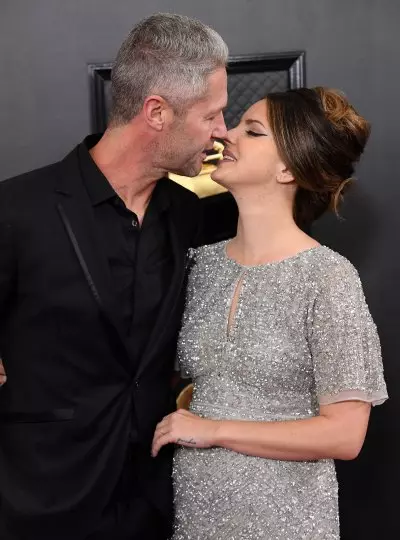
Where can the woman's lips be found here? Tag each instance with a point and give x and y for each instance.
(228, 156)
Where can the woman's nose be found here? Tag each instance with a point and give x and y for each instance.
(230, 136)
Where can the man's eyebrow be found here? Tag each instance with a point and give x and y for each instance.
(220, 109)
(252, 121)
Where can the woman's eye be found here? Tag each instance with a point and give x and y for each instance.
(255, 134)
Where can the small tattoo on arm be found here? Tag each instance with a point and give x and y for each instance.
(190, 442)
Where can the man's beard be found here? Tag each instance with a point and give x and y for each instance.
(171, 152)
(191, 167)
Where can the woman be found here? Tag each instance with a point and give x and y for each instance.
(276, 336)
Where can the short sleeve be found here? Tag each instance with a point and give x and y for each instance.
(344, 342)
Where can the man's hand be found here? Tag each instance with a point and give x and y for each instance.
(3, 377)
(184, 428)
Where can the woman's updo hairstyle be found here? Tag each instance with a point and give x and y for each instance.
(319, 137)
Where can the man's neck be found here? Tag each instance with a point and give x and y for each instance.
(124, 157)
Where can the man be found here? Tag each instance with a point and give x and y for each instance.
(92, 268)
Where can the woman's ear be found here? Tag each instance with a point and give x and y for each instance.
(284, 176)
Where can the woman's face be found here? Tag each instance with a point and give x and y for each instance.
(250, 156)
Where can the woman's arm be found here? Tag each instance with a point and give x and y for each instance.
(337, 433)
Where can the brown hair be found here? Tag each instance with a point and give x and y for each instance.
(319, 137)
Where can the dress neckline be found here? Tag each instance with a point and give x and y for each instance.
(271, 263)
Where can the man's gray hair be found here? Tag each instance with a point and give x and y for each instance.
(167, 55)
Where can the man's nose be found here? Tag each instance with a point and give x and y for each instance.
(220, 130)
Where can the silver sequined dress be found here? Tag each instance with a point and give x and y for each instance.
(302, 335)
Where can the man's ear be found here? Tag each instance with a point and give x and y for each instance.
(157, 112)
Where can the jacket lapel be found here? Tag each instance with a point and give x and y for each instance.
(77, 215)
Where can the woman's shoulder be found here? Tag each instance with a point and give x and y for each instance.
(209, 252)
(330, 267)
(329, 260)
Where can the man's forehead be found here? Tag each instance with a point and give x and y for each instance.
(217, 99)
(219, 103)
(217, 83)
(213, 102)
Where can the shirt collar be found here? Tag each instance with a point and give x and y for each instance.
(97, 186)
(100, 190)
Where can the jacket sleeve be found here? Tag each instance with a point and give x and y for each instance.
(7, 258)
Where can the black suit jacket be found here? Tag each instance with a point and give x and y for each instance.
(71, 396)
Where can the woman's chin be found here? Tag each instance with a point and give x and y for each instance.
(218, 180)
(220, 177)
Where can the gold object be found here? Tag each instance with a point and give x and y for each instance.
(212, 157)
(185, 397)
(202, 184)
(218, 147)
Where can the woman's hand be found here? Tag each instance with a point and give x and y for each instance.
(184, 428)
(3, 377)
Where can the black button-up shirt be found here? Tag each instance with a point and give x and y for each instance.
(139, 257)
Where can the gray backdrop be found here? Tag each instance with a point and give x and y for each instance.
(45, 46)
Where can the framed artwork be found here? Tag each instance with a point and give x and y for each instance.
(250, 78)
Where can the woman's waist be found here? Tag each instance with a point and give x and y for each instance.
(223, 398)
(247, 410)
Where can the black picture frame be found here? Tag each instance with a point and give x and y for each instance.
(293, 63)
(99, 77)
(220, 212)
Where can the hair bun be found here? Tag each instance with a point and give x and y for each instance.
(341, 113)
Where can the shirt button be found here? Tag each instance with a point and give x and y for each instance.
(135, 223)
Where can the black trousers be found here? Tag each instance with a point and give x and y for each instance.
(135, 520)
(130, 515)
